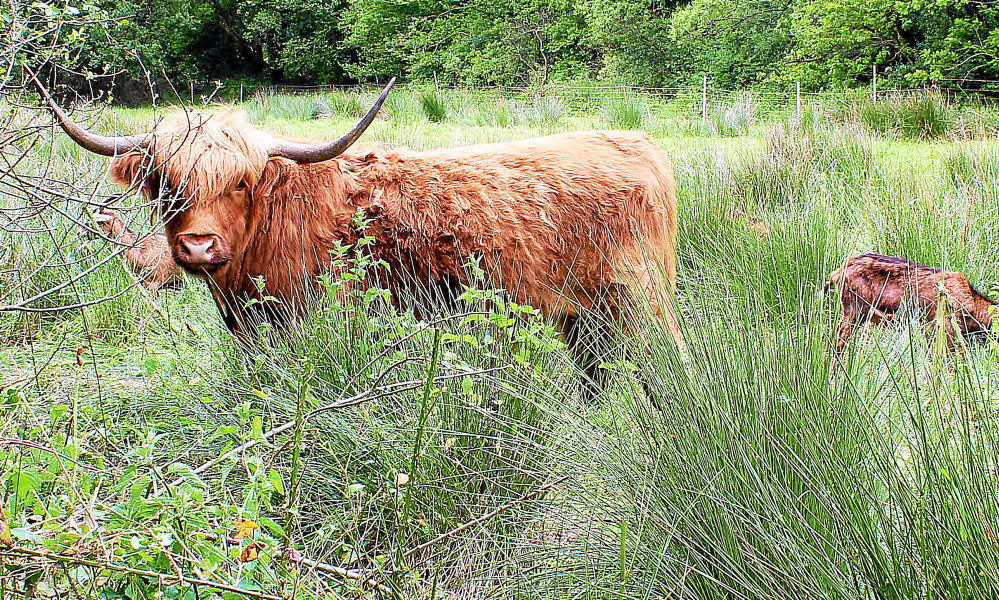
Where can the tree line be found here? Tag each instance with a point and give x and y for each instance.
(823, 44)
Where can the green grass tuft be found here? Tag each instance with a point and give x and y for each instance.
(434, 106)
(626, 113)
(921, 118)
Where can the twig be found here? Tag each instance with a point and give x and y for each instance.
(364, 579)
(5, 441)
(484, 517)
(364, 396)
(163, 578)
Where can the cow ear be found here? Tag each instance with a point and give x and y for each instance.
(274, 176)
(125, 168)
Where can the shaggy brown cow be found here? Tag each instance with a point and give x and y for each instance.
(567, 223)
(149, 257)
(875, 287)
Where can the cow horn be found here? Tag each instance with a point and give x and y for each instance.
(310, 153)
(98, 144)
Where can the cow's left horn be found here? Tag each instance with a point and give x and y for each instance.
(98, 144)
(310, 153)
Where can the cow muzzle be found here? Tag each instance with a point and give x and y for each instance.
(201, 253)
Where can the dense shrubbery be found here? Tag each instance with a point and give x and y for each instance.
(738, 43)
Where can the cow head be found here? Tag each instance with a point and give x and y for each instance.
(203, 171)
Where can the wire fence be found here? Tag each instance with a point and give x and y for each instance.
(695, 104)
(589, 93)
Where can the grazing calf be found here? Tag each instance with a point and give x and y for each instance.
(148, 257)
(875, 287)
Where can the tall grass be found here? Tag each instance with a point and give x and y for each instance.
(500, 114)
(340, 104)
(544, 111)
(434, 106)
(925, 117)
(734, 118)
(626, 113)
(759, 468)
(283, 106)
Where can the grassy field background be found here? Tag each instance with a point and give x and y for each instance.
(453, 458)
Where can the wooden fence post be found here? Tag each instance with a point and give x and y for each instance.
(704, 101)
(797, 94)
(192, 91)
(874, 87)
(240, 93)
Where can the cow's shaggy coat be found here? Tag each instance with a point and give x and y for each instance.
(569, 223)
(875, 287)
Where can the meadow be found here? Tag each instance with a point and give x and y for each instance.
(453, 457)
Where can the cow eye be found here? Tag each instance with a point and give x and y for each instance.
(241, 185)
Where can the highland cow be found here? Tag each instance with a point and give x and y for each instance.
(573, 224)
(148, 257)
(874, 288)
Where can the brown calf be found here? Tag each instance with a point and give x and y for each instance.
(875, 287)
(148, 257)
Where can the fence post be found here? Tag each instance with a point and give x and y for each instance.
(704, 101)
(874, 87)
(240, 93)
(797, 94)
(192, 92)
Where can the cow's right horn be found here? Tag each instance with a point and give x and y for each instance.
(311, 153)
(98, 144)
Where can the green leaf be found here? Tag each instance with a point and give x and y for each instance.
(25, 535)
(187, 472)
(273, 527)
(57, 411)
(276, 481)
(136, 492)
(26, 480)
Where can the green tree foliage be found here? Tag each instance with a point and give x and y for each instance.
(915, 42)
(298, 40)
(175, 36)
(480, 41)
(736, 43)
(636, 42)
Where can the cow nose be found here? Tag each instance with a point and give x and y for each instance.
(200, 250)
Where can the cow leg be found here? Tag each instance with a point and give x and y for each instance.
(649, 293)
(583, 337)
(845, 331)
(643, 291)
(669, 313)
